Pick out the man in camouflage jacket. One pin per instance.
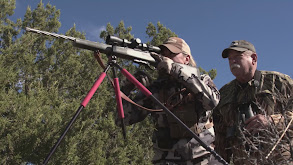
(254, 112)
(189, 95)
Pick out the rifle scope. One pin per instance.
(134, 43)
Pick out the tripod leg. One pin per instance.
(83, 105)
(95, 87)
(119, 102)
(119, 105)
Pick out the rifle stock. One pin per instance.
(135, 55)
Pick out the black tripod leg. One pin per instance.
(62, 136)
(83, 105)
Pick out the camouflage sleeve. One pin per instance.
(221, 142)
(200, 85)
(287, 101)
(278, 120)
(288, 94)
(276, 97)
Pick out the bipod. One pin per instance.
(112, 63)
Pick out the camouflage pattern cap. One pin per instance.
(176, 45)
(238, 45)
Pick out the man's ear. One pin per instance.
(254, 58)
(187, 59)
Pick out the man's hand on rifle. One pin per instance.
(164, 63)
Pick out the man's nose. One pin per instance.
(233, 60)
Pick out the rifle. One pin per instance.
(132, 50)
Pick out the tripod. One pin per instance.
(112, 63)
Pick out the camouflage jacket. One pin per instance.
(271, 95)
(191, 97)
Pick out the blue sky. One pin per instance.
(207, 26)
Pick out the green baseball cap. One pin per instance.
(238, 45)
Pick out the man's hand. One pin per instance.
(164, 63)
(257, 122)
(142, 77)
(158, 58)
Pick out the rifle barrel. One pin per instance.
(123, 52)
(50, 34)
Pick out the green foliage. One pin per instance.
(120, 31)
(159, 34)
(212, 73)
(8, 29)
(43, 80)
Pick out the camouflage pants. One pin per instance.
(165, 162)
(169, 157)
(185, 151)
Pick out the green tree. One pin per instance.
(8, 29)
(212, 73)
(158, 34)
